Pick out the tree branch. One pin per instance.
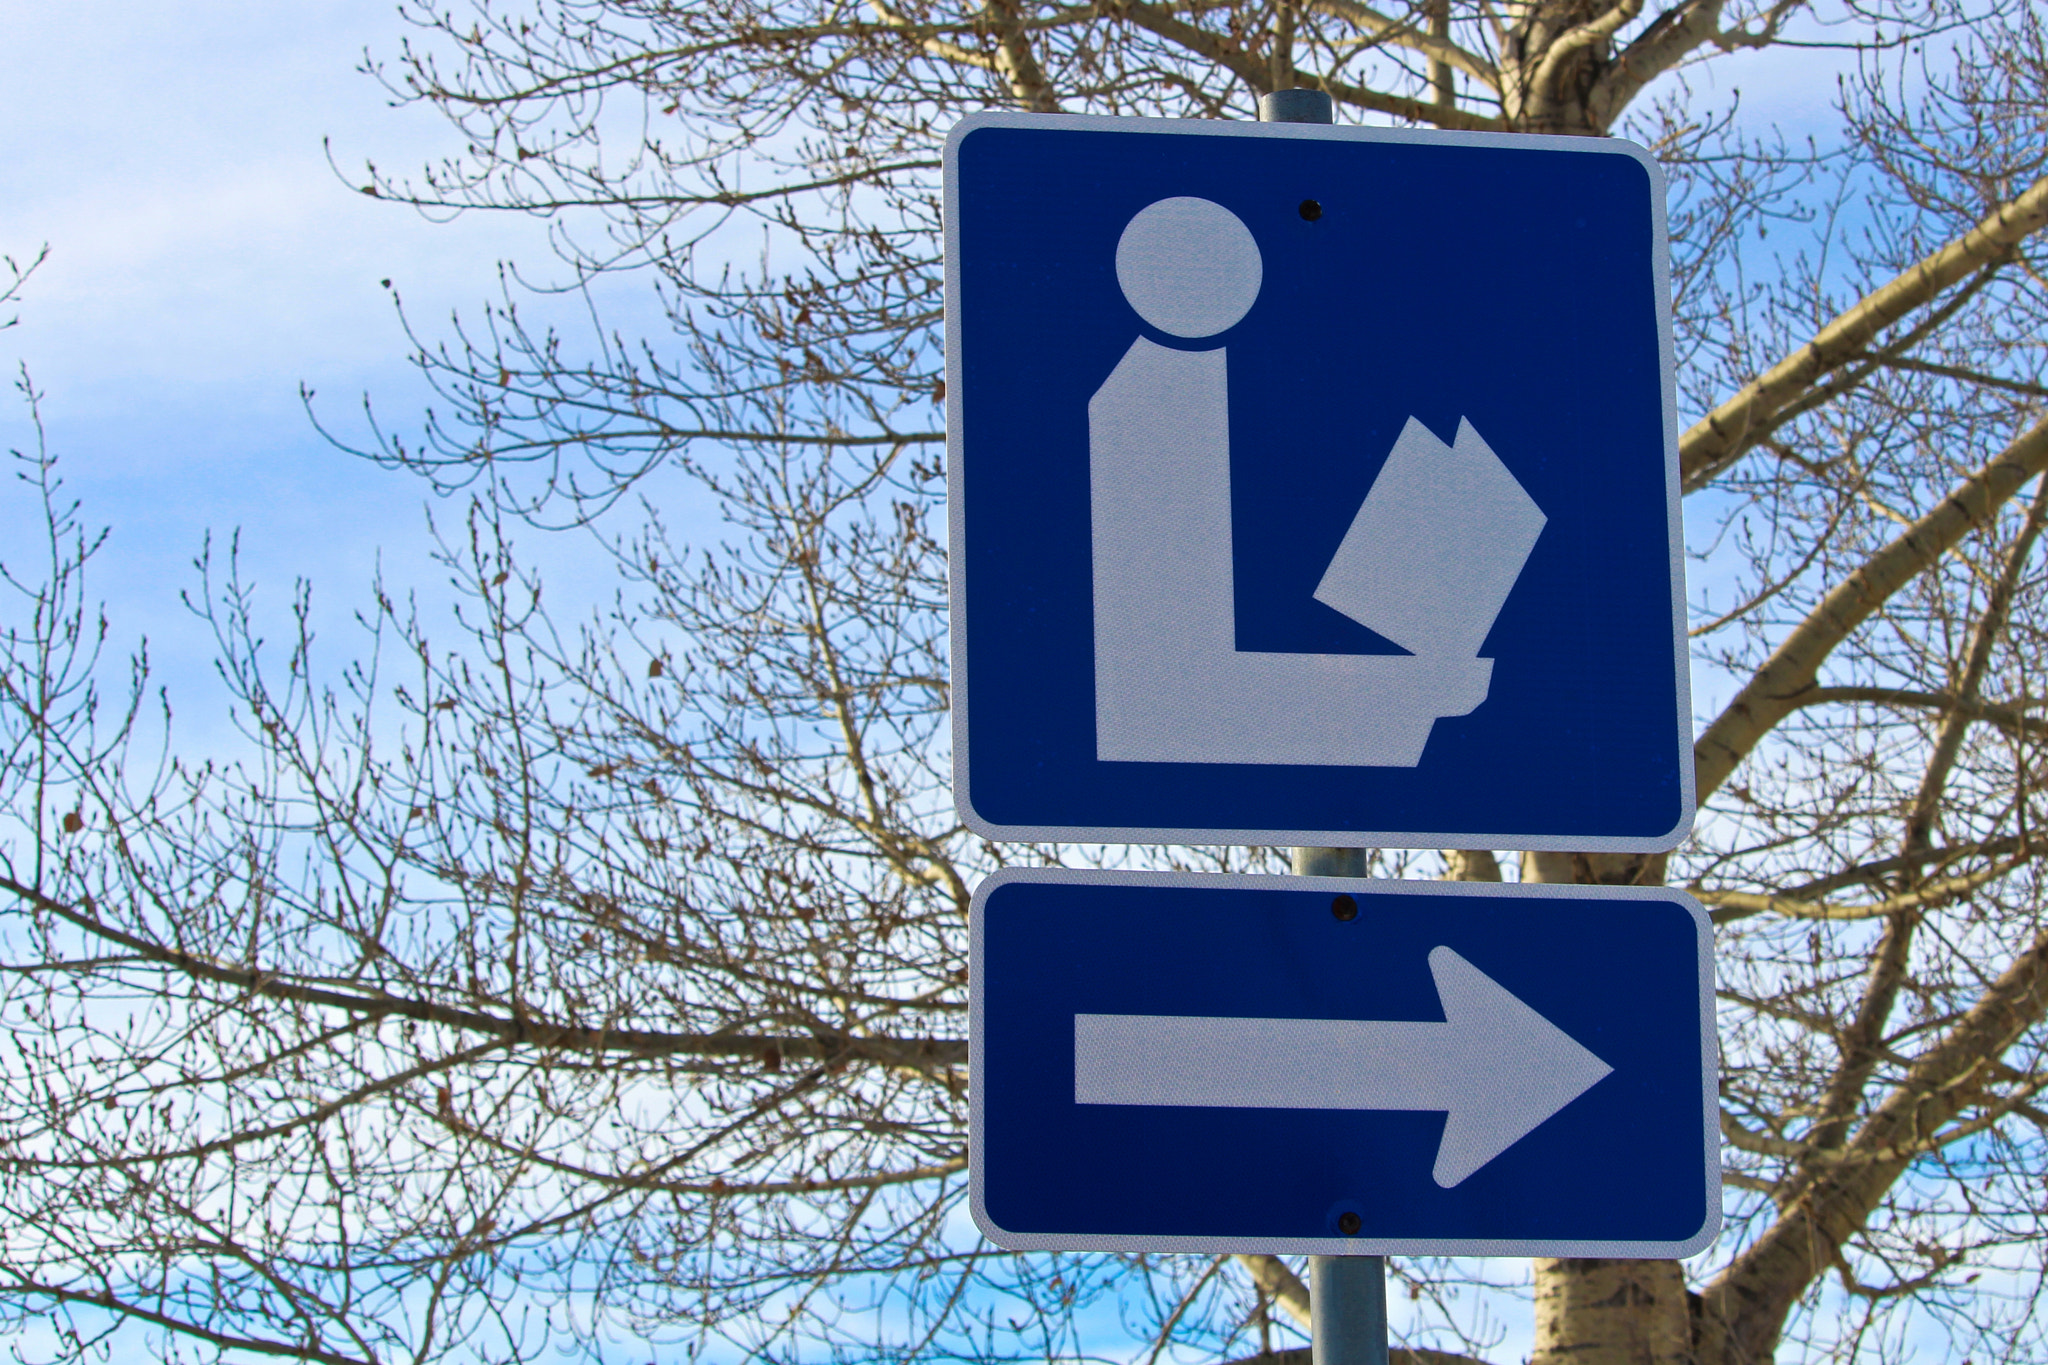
(1739, 905)
(2008, 716)
(1256, 74)
(921, 1055)
(1781, 686)
(1725, 434)
(1017, 62)
(1668, 40)
(1577, 39)
(1401, 34)
(107, 1303)
(1747, 1304)
(1948, 741)
(1279, 1284)
(1398, 1355)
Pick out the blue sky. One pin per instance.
(205, 260)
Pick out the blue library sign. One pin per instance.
(1312, 485)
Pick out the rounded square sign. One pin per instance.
(1312, 485)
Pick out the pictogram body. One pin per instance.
(1433, 553)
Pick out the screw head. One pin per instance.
(1344, 908)
(1310, 210)
(1349, 1223)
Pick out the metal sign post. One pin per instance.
(1347, 1295)
(1347, 1298)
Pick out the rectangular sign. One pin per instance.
(1312, 485)
(1170, 1062)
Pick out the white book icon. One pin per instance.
(1430, 557)
(1437, 546)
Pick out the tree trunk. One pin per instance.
(1600, 1312)
(1611, 1313)
(1589, 1312)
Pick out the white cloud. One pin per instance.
(172, 157)
(205, 260)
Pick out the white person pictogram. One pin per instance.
(1429, 559)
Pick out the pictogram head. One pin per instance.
(1189, 266)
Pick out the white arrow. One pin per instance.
(1496, 1067)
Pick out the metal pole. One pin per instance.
(1297, 106)
(1348, 1305)
(1347, 1294)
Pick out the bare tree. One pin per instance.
(544, 983)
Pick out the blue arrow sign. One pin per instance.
(1312, 485)
(1168, 1062)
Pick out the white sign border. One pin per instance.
(1350, 838)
